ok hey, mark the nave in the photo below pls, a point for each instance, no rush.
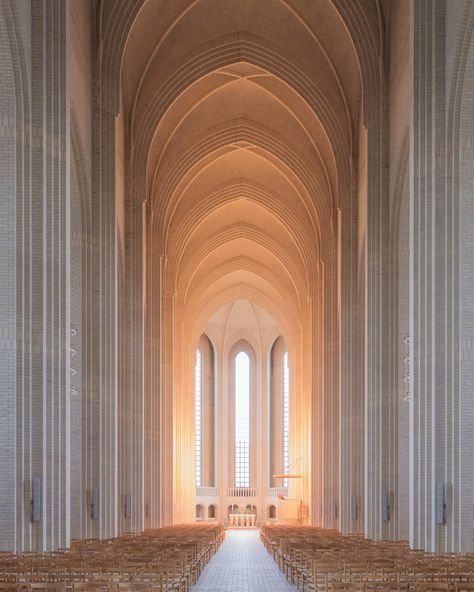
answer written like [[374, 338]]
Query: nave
[[235, 270], [241, 564]]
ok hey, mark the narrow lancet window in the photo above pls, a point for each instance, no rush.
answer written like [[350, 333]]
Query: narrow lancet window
[[198, 415], [285, 415], [242, 420]]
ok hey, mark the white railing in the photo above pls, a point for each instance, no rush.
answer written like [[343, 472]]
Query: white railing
[[242, 492], [276, 491], [206, 491]]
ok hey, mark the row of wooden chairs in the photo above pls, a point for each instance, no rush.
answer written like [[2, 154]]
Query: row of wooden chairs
[[323, 560], [166, 559]]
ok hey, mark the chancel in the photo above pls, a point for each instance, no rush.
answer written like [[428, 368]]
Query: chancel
[[236, 295]]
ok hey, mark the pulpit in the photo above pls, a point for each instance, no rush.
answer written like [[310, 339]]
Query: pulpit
[[289, 511]]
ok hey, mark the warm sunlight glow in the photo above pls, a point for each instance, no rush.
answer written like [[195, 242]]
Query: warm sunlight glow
[[198, 414], [242, 420]]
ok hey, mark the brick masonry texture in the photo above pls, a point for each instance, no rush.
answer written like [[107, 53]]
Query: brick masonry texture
[[158, 164]]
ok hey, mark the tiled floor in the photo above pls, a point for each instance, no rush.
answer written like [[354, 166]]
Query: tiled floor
[[242, 565]]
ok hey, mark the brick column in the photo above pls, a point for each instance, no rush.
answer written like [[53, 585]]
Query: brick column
[[431, 294], [35, 328]]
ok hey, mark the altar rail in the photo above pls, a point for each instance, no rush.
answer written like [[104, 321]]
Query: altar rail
[[242, 520]]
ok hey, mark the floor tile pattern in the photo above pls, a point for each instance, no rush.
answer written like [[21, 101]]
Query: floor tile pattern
[[242, 565]]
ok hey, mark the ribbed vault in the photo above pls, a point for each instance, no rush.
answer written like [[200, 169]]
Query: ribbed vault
[[240, 119], [253, 171]]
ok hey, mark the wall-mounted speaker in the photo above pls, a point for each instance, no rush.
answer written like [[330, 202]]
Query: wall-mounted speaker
[[440, 503], [36, 502], [128, 505], [385, 505], [148, 507], [95, 507], [354, 507]]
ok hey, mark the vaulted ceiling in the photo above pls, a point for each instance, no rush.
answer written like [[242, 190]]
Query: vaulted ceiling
[[241, 118]]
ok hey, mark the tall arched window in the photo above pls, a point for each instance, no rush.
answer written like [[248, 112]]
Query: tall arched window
[[204, 413], [198, 415], [285, 415], [242, 420]]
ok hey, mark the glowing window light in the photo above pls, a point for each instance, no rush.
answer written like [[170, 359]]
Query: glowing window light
[[242, 420], [198, 414], [285, 415]]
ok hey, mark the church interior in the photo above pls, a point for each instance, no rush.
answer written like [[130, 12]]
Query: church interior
[[236, 295]]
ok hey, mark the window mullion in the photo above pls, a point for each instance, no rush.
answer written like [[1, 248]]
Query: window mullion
[[285, 415], [242, 420], [198, 417]]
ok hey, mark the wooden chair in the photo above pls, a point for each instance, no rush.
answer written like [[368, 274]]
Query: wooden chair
[[335, 586], [46, 587], [433, 587], [387, 587], [90, 587]]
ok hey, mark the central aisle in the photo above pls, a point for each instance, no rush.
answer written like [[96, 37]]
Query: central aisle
[[242, 565]]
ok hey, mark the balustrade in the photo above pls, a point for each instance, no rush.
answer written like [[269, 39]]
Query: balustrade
[[207, 491], [242, 492]]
